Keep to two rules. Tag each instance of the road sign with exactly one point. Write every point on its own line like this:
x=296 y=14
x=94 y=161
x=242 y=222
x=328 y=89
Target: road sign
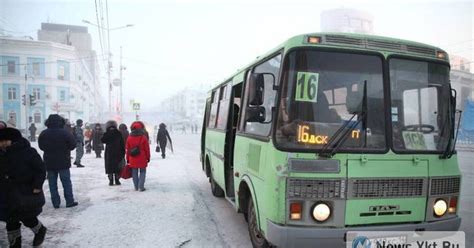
x=136 y=106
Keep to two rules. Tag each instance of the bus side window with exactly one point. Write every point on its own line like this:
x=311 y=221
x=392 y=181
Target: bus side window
x=271 y=66
x=214 y=106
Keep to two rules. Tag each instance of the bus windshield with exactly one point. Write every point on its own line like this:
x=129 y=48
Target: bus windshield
x=322 y=93
x=420 y=112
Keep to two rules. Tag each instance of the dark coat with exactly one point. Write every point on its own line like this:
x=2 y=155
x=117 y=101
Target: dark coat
x=26 y=171
x=97 y=140
x=114 y=150
x=124 y=133
x=57 y=144
x=3 y=185
x=163 y=136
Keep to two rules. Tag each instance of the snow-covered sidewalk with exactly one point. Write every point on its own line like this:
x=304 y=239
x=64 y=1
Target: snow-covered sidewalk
x=177 y=209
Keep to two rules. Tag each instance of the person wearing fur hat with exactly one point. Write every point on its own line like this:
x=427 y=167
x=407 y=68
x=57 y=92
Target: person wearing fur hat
x=57 y=143
x=23 y=173
x=138 y=154
x=114 y=152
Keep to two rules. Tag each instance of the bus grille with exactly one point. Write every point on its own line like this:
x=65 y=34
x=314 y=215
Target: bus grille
x=445 y=186
x=320 y=189
x=386 y=188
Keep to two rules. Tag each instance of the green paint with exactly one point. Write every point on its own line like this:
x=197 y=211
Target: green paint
x=307 y=87
x=354 y=208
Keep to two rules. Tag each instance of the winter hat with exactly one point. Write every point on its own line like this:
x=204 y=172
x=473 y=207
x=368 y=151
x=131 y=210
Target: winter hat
x=137 y=125
x=3 y=125
x=11 y=134
x=79 y=122
x=110 y=124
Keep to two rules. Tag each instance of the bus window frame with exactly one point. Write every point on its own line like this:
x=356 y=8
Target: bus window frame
x=414 y=58
x=386 y=102
x=241 y=125
x=215 y=91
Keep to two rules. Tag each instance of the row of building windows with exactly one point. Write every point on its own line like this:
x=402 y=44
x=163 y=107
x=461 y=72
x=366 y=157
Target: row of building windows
x=13 y=94
x=13 y=118
x=35 y=67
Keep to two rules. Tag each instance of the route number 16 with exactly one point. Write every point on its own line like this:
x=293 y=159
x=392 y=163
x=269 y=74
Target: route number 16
x=307 y=87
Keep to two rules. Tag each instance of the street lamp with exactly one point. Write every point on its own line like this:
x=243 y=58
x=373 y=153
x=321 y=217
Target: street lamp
x=109 y=63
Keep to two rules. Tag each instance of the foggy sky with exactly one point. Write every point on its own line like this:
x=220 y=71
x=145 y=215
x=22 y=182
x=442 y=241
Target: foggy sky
x=186 y=43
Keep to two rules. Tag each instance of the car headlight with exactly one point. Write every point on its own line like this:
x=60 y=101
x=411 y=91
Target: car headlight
x=440 y=207
x=321 y=212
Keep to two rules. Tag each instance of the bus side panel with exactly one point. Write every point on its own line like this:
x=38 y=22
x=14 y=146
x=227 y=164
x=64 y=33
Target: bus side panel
x=215 y=141
x=259 y=161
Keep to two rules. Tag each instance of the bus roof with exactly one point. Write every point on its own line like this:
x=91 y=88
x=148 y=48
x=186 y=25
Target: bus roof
x=361 y=42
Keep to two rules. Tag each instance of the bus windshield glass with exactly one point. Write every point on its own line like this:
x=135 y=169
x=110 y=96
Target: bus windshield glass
x=323 y=93
x=420 y=112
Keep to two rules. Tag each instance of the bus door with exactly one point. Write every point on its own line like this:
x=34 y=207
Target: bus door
x=234 y=113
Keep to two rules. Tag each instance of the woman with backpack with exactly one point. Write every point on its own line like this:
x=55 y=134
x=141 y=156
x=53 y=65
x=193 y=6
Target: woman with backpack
x=138 y=154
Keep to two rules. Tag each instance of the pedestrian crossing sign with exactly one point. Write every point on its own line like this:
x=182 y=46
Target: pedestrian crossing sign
x=136 y=106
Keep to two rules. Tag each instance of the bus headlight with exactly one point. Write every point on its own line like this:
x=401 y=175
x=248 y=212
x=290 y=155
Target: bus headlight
x=440 y=207
x=321 y=212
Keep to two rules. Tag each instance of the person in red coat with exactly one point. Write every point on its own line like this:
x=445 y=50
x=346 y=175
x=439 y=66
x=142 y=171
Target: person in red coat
x=138 y=154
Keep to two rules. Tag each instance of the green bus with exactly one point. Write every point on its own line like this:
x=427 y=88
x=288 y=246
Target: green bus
x=334 y=132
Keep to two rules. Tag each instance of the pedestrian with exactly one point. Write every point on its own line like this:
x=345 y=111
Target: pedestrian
x=57 y=144
x=138 y=154
x=79 y=135
x=87 y=139
x=24 y=176
x=162 y=139
x=124 y=131
x=3 y=180
x=114 y=152
x=97 y=145
x=32 y=132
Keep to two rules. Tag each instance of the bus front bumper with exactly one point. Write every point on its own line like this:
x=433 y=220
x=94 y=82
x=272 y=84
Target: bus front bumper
x=291 y=236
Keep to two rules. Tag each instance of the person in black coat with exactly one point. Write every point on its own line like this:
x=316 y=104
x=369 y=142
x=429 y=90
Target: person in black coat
x=3 y=180
x=162 y=138
x=57 y=144
x=114 y=151
x=124 y=131
x=24 y=173
x=97 y=145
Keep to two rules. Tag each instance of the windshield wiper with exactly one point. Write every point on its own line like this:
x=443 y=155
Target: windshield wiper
x=341 y=134
x=450 y=147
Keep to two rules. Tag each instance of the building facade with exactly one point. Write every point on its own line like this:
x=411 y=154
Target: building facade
x=57 y=77
x=187 y=106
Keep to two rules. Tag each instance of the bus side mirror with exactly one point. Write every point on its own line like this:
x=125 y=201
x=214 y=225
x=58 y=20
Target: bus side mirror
x=255 y=114
x=256 y=89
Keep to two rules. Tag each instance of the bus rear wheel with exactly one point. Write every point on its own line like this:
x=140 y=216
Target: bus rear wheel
x=256 y=237
x=215 y=188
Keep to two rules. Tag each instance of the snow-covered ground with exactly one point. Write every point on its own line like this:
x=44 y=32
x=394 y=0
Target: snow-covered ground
x=176 y=210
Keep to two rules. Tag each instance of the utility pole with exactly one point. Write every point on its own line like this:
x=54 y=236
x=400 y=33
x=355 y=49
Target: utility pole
x=27 y=100
x=121 y=85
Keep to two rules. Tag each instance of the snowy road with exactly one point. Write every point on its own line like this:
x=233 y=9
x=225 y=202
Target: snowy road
x=177 y=210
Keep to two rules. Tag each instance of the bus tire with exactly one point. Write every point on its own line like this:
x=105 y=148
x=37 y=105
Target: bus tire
x=215 y=188
x=256 y=237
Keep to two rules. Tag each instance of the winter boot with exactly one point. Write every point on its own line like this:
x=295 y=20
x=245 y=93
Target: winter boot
x=117 y=179
x=40 y=232
x=111 y=179
x=14 y=238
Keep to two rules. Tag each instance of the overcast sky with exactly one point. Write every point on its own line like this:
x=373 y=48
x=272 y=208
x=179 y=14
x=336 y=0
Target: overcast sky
x=175 y=44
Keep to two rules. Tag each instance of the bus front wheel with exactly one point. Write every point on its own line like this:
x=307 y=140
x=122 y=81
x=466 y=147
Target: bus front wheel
x=256 y=237
x=215 y=188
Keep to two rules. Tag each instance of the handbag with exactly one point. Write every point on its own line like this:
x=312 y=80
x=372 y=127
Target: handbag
x=135 y=151
x=157 y=149
x=126 y=172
